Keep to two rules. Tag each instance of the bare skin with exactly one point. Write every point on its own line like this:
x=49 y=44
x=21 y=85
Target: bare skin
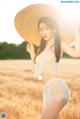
x=53 y=109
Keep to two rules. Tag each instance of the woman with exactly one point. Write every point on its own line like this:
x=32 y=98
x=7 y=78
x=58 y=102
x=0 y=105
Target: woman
x=56 y=93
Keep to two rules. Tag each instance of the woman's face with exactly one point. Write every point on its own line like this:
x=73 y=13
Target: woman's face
x=46 y=32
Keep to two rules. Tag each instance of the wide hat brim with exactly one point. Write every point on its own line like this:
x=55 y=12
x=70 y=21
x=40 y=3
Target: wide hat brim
x=26 y=23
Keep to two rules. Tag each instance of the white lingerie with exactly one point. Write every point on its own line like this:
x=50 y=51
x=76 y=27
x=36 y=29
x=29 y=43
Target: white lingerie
x=45 y=64
x=55 y=88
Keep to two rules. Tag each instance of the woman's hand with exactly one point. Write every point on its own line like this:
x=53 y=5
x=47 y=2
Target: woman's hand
x=30 y=48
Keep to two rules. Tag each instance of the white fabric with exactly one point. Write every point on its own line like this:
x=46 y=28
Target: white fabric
x=55 y=89
x=45 y=63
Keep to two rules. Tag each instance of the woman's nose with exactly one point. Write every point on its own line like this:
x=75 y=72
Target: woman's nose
x=43 y=32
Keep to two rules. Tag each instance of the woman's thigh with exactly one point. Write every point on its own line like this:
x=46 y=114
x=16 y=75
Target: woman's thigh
x=57 y=117
x=53 y=108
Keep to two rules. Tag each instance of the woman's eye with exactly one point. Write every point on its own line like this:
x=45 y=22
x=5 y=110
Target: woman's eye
x=43 y=29
x=46 y=28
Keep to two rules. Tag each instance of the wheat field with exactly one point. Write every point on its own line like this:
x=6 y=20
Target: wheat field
x=21 y=94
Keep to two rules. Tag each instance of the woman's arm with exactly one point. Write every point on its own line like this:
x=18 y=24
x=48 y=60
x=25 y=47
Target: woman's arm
x=32 y=60
x=32 y=55
x=73 y=52
x=30 y=49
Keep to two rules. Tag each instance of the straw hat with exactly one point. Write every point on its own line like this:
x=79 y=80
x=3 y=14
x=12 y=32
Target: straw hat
x=26 y=22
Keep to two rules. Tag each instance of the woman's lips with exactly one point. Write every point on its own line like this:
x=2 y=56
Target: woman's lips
x=45 y=36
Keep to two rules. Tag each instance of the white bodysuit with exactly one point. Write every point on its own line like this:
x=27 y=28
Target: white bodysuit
x=45 y=63
x=55 y=88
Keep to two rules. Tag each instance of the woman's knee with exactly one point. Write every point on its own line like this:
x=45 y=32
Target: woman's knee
x=50 y=117
x=58 y=116
x=47 y=117
x=49 y=114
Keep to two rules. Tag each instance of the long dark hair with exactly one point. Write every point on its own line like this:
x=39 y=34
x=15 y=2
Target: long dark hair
x=52 y=24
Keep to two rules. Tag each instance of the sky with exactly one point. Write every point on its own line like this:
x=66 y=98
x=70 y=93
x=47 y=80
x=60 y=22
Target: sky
x=8 y=10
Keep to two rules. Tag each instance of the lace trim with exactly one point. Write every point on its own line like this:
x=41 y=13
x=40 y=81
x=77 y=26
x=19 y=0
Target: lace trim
x=55 y=89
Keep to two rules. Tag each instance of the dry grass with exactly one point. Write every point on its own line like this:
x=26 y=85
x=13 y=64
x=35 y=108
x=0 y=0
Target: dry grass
x=21 y=95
